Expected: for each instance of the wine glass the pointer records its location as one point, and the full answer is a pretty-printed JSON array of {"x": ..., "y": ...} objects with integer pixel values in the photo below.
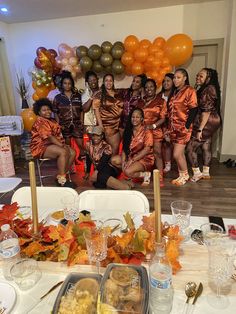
[
  {"x": 211, "y": 231},
  {"x": 181, "y": 211},
  {"x": 69, "y": 207},
  {"x": 222, "y": 253},
  {"x": 96, "y": 243}
]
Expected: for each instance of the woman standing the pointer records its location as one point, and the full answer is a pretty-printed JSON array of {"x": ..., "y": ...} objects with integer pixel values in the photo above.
[
  {"x": 69, "y": 112},
  {"x": 47, "y": 141},
  {"x": 108, "y": 106},
  {"x": 182, "y": 109},
  {"x": 137, "y": 156},
  {"x": 132, "y": 97},
  {"x": 155, "y": 111},
  {"x": 167, "y": 87},
  {"x": 206, "y": 123}
]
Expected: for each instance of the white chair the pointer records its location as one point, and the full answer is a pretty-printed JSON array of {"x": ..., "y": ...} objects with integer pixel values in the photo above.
[
  {"x": 48, "y": 198},
  {"x": 8, "y": 184},
  {"x": 104, "y": 204}
]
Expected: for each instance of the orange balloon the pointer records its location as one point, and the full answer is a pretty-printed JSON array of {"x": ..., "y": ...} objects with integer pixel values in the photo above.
[
  {"x": 137, "y": 68},
  {"x": 165, "y": 62},
  {"x": 28, "y": 117},
  {"x": 154, "y": 75},
  {"x": 34, "y": 85},
  {"x": 159, "y": 54},
  {"x": 152, "y": 49},
  {"x": 150, "y": 59},
  {"x": 131, "y": 43},
  {"x": 145, "y": 43},
  {"x": 35, "y": 96},
  {"x": 156, "y": 63},
  {"x": 140, "y": 54},
  {"x": 159, "y": 42},
  {"x": 147, "y": 67},
  {"x": 179, "y": 49},
  {"x": 163, "y": 72},
  {"x": 149, "y": 74},
  {"x": 168, "y": 68},
  {"x": 42, "y": 91},
  {"x": 128, "y": 70},
  {"x": 127, "y": 58}
]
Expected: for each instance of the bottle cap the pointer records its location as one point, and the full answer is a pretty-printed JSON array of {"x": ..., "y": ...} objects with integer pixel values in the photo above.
[{"x": 5, "y": 227}]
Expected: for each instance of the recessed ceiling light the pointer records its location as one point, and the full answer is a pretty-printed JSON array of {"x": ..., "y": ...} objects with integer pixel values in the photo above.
[{"x": 4, "y": 10}]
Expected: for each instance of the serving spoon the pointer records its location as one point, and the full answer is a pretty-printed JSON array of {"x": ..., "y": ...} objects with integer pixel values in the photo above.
[{"x": 190, "y": 291}]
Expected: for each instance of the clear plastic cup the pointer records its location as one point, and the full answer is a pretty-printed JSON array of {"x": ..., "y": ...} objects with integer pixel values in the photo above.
[{"x": 25, "y": 273}]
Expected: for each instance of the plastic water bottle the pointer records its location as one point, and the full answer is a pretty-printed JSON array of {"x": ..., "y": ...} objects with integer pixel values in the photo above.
[
  {"x": 161, "y": 289},
  {"x": 9, "y": 249}
]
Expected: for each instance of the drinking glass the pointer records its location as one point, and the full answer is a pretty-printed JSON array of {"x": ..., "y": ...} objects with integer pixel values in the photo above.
[
  {"x": 181, "y": 211},
  {"x": 69, "y": 207},
  {"x": 222, "y": 253},
  {"x": 113, "y": 225},
  {"x": 211, "y": 231},
  {"x": 25, "y": 273},
  {"x": 96, "y": 243}
]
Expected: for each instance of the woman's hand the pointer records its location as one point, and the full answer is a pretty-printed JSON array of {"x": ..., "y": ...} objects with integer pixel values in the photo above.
[{"x": 199, "y": 135}]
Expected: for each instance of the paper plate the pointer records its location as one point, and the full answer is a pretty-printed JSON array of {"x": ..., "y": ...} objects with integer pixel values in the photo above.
[{"x": 7, "y": 296}]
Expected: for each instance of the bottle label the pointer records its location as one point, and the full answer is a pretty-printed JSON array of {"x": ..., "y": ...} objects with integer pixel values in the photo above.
[
  {"x": 160, "y": 284},
  {"x": 9, "y": 248}
]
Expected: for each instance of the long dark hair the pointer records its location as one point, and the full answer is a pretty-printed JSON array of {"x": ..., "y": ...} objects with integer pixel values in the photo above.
[
  {"x": 212, "y": 79},
  {"x": 67, "y": 75},
  {"x": 128, "y": 132},
  {"x": 171, "y": 76},
  {"x": 103, "y": 88},
  {"x": 143, "y": 78}
]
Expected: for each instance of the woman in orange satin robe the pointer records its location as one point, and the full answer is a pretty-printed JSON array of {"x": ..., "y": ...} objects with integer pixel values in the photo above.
[
  {"x": 155, "y": 111},
  {"x": 108, "y": 106},
  {"x": 137, "y": 156},
  {"x": 181, "y": 108},
  {"x": 47, "y": 141}
]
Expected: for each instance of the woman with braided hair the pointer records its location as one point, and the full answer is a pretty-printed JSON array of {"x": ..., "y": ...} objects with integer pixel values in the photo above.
[{"x": 206, "y": 123}]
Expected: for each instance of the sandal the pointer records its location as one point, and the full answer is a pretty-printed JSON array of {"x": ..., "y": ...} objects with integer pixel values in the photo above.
[
  {"x": 146, "y": 178},
  {"x": 180, "y": 181}
]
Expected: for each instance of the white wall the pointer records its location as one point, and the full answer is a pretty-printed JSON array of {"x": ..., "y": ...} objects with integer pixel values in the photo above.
[{"x": 207, "y": 20}]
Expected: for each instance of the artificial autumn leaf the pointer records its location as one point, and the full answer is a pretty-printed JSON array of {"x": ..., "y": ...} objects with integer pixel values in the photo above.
[
  {"x": 149, "y": 222},
  {"x": 33, "y": 248},
  {"x": 129, "y": 221},
  {"x": 79, "y": 257},
  {"x": 138, "y": 242},
  {"x": 23, "y": 241},
  {"x": 66, "y": 233},
  {"x": 53, "y": 233},
  {"x": 7, "y": 213},
  {"x": 64, "y": 252},
  {"x": 113, "y": 256},
  {"x": 125, "y": 240}
]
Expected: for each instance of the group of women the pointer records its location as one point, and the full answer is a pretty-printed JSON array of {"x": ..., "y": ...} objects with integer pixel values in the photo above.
[{"x": 152, "y": 127}]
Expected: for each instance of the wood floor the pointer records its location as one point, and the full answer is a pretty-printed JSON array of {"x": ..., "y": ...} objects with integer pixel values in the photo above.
[{"x": 215, "y": 197}]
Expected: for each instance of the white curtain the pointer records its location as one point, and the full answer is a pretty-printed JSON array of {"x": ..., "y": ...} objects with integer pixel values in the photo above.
[{"x": 7, "y": 102}]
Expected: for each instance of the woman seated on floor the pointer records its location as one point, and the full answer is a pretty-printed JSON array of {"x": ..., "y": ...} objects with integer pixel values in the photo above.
[
  {"x": 98, "y": 153},
  {"x": 137, "y": 158},
  {"x": 47, "y": 141}
]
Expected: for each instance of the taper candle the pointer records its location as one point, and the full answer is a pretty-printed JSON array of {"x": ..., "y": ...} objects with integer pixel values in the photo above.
[
  {"x": 34, "y": 204},
  {"x": 157, "y": 205}
]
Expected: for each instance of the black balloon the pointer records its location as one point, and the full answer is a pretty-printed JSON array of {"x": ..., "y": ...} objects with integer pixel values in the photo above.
[
  {"x": 117, "y": 67},
  {"x": 94, "y": 52},
  {"x": 106, "y": 46},
  {"x": 97, "y": 67},
  {"x": 85, "y": 63},
  {"x": 81, "y": 51},
  {"x": 106, "y": 59},
  {"x": 117, "y": 51}
]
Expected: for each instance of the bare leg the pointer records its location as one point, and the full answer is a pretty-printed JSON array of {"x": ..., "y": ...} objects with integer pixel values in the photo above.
[
  {"x": 116, "y": 161},
  {"x": 158, "y": 155},
  {"x": 179, "y": 156},
  {"x": 80, "y": 143},
  {"x": 71, "y": 159},
  {"x": 116, "y": 184},
  {"x": 134, "y": 170},
  {"x": 59, "y": 153},
  {"x": 114, "y": 141}
]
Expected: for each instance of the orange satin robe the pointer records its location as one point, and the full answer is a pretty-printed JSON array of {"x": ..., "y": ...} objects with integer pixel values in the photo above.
[
  {"x": 142, "y": 139},
  {"x": 41, "y": 130},
  {"x": 110, "y": 110},
  {"x": 178, "y": 110},
  {"x": 154, "y": 110}
]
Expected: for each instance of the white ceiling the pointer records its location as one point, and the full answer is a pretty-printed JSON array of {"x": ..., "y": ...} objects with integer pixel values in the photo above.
[{"x": 35, "y": 10}]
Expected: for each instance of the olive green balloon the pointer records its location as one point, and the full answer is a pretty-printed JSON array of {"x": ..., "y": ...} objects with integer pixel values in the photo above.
[
  {"x": 94, "y": 52},
  {"x": 106, "y": 46},
  {"x": 81, "y": 51},
  {"x": 119, "y": 43},
  {"x": 106, "y": 59},
  {"x": 117, "y": 51},
  {"x": 97, "y": 67},
  {"x": 108, "y": 69},
  {"x": 117, "y": 67},
  {"x": 85, "y": 63}
]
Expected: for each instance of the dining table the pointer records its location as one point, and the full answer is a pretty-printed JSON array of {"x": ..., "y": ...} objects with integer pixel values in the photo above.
[{"x": 193, "y": 258}]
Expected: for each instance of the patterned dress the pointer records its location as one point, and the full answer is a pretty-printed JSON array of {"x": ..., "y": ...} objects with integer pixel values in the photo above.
[
  {"x": 110, "y": 110},
  {"x": 69, "y": 111},
  {"x": 41, "y": 130},
  {"x": 178, "y": 111},
  {"x": 207, "y": 102},
  {"x": 154, "y": 110},
  {"x": 143, "y": 138}
]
